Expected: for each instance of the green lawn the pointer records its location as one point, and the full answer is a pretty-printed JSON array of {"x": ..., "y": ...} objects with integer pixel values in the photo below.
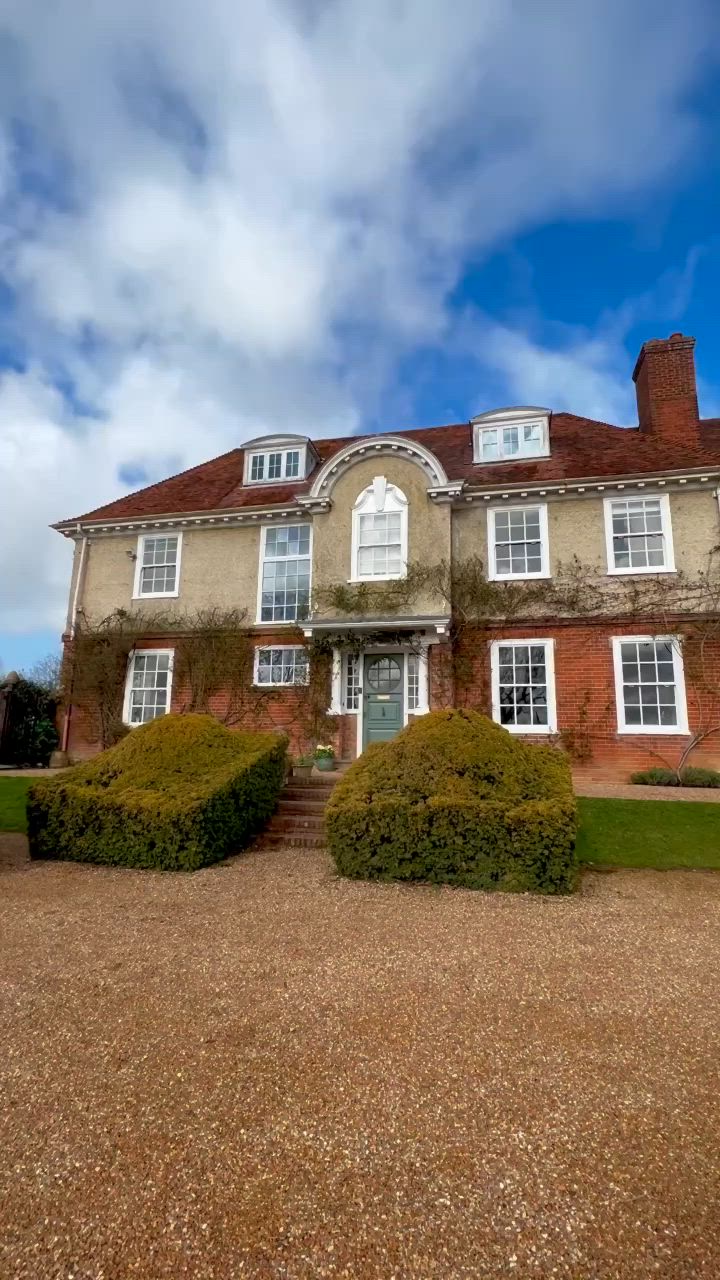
[
  {"x": 615, "y": 833},
  {"x": 13, "y": 792},
  {"x": 649, "y": 833}
]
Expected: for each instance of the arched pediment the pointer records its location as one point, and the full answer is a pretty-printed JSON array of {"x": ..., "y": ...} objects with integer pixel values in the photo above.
[{"x": 376, "y": 447}]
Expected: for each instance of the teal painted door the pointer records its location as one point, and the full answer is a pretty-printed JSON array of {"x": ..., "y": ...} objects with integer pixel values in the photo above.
[{"x": 383, "y": 697}]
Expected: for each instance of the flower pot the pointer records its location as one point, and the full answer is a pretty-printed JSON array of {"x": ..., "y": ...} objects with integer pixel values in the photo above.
[
  {"x": 325, "y": 763},
  {"x": 302, "y": 770}
]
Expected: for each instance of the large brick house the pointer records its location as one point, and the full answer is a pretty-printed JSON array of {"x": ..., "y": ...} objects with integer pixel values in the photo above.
[{"x": 523, "y": 489}]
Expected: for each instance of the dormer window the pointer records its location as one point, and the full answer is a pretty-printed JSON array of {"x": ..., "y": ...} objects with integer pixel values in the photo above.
[
  {"x": 280, "y": 465},
  {"x": 277, "y": 459},
  {"x": 507, "y": 435}
]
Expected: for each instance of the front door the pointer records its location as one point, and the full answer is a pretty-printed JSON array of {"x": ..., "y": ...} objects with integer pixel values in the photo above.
[{"x": 383, "y": 697}]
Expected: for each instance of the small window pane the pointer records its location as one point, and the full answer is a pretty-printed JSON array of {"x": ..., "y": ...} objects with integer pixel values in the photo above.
[
  {"x": 490, "y": 445},
  {"x": 352, "y": 682},
  {"x": 511, "y": 441},
  {"x": 413, "y": 669}
]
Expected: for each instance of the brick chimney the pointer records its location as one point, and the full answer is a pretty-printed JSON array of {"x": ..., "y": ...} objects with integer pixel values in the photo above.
[{"x": 664, "y": 378}]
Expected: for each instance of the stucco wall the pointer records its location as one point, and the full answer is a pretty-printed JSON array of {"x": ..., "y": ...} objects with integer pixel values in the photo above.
[
  {"x": 429, "y": 525},
  {"x": 576, "y": 528},
  {"x": 218, "y": 567}
]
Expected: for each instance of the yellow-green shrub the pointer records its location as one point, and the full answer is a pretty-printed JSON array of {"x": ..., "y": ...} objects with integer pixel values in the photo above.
[
  {"x": 456, "y": 799},
  {"x": 176, "y": 794}
]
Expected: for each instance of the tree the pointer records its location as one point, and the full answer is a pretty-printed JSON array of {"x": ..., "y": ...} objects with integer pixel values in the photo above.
[{"x": 46, "y": 672}]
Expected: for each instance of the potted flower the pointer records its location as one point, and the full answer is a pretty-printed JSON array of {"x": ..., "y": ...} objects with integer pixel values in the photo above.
[
  {"x": 325, "y": 758},
  {"x": 302, "y": 767}
]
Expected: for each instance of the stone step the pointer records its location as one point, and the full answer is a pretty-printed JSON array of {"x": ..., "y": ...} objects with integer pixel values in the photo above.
[
  {"x": 308, "y": 807},
  {"x": 271, "y": 839},
  {"x": 319, "y": 795},
  {"x": 296, "y": 822}
]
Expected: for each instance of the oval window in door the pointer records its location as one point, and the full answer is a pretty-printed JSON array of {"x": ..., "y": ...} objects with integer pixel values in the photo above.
[{"x": 384, "y": 675}]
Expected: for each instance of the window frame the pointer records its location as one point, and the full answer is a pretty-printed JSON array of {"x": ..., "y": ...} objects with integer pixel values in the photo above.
[
  {"x": 507, "y": 424},
  {"x": 504, "y": 420},
  {"x": 667, "y": 535},
  {"x": 373, "y": 500},
  {"x": 139, "y": 554},
  {"x": 274, "y": 684},
  {"x": 285, "y": 449},
  {"x": 286, "y": 524},
  {"x": 682, "y": 728},
  {"x": 146, "y": 653},
  {"x": 535, "y": 730},
  {"x": 544, "y": 571}
]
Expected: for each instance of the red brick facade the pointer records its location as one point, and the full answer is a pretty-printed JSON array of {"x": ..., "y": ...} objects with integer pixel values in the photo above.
[{"x": 584, "y": 690}]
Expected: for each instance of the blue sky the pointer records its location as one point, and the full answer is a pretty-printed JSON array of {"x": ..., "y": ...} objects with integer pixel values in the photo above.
[{"x": 330, "y": 217}]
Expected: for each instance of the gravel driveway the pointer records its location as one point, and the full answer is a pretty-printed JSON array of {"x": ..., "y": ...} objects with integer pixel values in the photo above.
[{"x": 262, "y": 1071}]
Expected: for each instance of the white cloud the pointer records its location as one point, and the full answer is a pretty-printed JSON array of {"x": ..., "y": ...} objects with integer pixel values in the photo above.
[
  {"x": 587, "y": 375},
  {"x": 217, "y": 223}
]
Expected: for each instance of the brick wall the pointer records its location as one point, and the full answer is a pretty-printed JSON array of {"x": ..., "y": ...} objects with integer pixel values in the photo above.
[
  {"x": 272, "y": 710},
  {"x": 585, "y": 696}
]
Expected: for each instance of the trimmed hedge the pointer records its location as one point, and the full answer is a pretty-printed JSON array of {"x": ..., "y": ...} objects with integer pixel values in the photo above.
[
  {"x": 175, "y": 795},
  {"x": 690, "y": 776},
  {"x": 456, "y": 799}
]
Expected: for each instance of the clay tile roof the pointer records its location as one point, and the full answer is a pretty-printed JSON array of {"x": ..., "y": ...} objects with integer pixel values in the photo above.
[{"x": 580, "y": 448}]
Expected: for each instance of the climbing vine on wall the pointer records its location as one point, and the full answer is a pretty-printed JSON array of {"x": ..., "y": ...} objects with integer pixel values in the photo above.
[{"x": 214, "y": 648}]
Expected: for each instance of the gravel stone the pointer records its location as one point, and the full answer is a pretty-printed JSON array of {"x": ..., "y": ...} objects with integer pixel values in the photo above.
[{"x": 260, "y": 1070}]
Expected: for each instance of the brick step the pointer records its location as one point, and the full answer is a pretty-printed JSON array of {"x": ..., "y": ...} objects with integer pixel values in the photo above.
[
  {"x": 271, "y": 839},
  {"x": 308, "y": 807},
  {"x": 319, "y": 795},
  {"x": 296, "y": 822}
]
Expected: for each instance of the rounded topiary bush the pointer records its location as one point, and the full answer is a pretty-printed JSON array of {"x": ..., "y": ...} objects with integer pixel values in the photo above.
[{"x": 456, "y": 799}]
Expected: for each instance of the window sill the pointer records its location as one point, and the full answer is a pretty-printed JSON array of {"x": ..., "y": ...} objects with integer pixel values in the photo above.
[
  {"x": 516, "y": 457},
  {"x": 298, "y": 622},
  {"x": 296, "y": 684},
  {"x": 633, "y": 573},
  {"x": 518, "y": 577},
  {"x": 391, "y": 577},
  {"x": 157, "y": 595},
  {"x": 529, "y": 730},
  {"x": 654, "y": 731}
]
